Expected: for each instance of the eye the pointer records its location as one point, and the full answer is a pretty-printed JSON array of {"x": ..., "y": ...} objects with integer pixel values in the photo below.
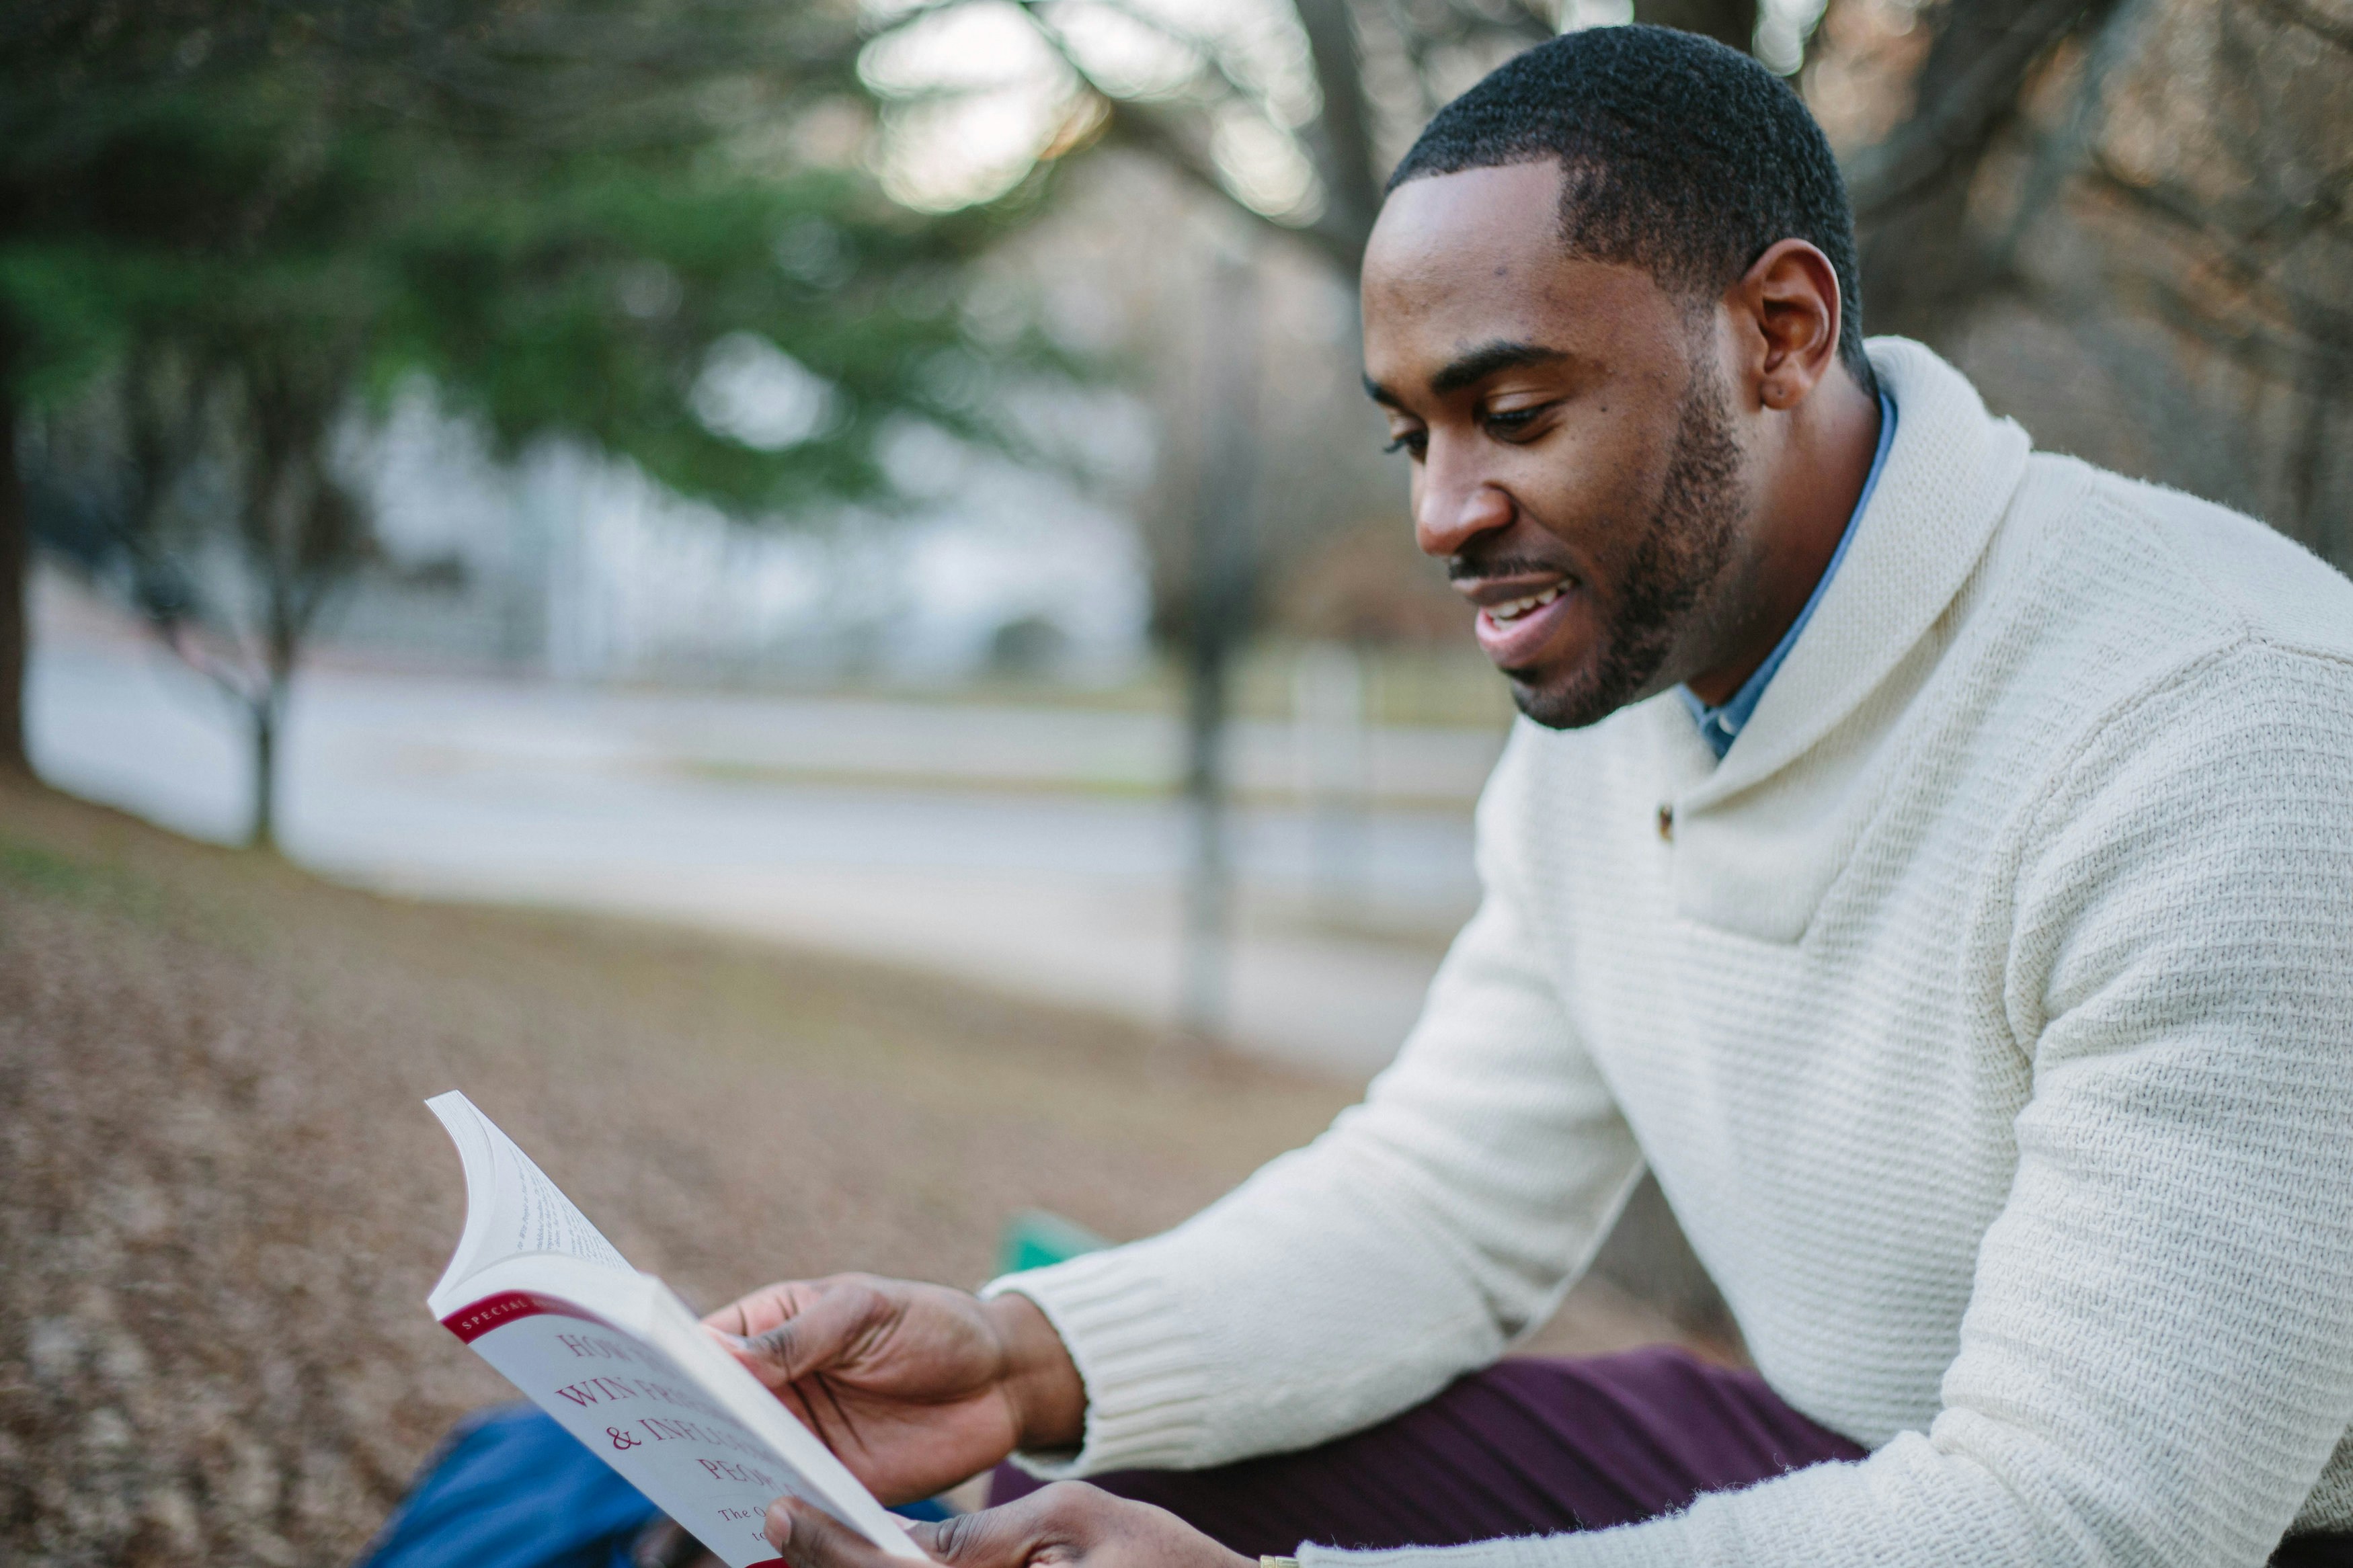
[
  {"x": 1413, "y": 443},
  {"x": 1507, "y": 423}
]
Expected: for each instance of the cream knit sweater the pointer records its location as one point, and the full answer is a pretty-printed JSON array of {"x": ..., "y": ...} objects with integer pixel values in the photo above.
[{"x": 1988, "y": 1019}]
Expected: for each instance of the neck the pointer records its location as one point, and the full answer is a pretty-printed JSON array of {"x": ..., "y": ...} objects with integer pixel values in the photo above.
[{"x": 1817, "y": 476}]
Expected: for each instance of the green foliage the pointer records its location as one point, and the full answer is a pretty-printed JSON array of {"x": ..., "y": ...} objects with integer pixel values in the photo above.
[
  {"x": 351, "y": 193},
  {"x": 588, "y": 306},
  {"x": 224, "y": 225}
]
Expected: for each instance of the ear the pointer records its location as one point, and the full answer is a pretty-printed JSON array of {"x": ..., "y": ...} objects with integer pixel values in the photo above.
[{"x": 1787, "y": 311}]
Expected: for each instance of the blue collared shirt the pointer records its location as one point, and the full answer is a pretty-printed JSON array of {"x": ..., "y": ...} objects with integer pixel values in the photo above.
[{"x": 1717, "y": 726}]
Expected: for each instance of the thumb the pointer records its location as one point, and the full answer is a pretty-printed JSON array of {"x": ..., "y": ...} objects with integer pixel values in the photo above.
[
  {"x": 812, "y": 1339},
  {"x": 992, "y": 1538},
  {"x": 805, "y": 1536}
]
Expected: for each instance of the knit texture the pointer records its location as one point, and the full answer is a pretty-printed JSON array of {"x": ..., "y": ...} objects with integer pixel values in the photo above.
[{"x": 1987, "y": 1019}]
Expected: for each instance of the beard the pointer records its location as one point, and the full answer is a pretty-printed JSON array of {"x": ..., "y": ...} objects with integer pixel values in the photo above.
[{"x": 1683, "y": 554}]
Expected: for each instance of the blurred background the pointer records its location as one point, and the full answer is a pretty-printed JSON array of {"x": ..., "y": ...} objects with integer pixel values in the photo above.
[{"x": 801, "y": 597}]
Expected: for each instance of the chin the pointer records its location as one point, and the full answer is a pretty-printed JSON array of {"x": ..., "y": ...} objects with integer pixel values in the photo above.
[
  {"x": 1590, "y": 689},
  {"x": 1558, "y": 703}
]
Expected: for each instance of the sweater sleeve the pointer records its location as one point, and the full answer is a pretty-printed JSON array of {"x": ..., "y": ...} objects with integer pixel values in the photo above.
[
  {"x": 2156, "y": 1358},
  {"x": 1348, "y": 1281}
]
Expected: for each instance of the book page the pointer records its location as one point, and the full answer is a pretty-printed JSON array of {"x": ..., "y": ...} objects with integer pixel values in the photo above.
[
  {"x": 510, "y": 1205},
  {"x": 544, "y": 1220}
]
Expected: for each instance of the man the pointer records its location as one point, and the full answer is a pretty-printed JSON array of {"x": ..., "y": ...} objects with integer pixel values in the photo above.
[{"x": 1934, "y": 859}]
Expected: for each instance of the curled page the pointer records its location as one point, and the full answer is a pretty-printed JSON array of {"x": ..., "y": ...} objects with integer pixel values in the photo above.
[{"x": 621, "y": 1363}]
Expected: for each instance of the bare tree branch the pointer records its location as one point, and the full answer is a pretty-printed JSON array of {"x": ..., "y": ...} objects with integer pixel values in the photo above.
[
  {"x": 1977, "y": 67},
  {"x": 2058, "y": 157},
  {"x": 1524, "y": 19},
  {"x": 1141, "y": 126},
  {"x": 2336, "y": 30},
  {"x": 1343, "y": 131},
  {"x": 2236, "y": 260},
  {"x": 174, "y": 632},
  {"x": 1209, "y": 51}
]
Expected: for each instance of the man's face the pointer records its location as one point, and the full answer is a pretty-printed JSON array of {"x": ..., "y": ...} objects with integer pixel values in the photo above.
[{"x": 1575, "y": 462}]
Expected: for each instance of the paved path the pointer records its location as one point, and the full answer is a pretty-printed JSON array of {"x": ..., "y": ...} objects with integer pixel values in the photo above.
[{"x": 1019, "y": 846}]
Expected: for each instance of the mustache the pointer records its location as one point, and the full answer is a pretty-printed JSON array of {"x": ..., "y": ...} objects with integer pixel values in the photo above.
[{"x": 1476, "y": 563}]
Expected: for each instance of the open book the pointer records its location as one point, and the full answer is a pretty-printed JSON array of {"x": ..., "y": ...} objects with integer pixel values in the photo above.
[{"x": 622, "y": 1365}]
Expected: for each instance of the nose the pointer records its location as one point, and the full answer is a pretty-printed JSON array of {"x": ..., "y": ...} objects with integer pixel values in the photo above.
[{"x": 1453, "y": 504}]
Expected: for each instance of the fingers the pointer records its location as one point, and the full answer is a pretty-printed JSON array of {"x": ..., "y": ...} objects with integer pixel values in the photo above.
[
  {"x": 1004, "y": 1537},
  {"x": 1063, "y": 1521},
  {"x": 791, "y": 1330},
  {"x": 1011, "y": 1537},
  {"x": 805, "y": 1536},
  {"x": 762, "y": 1309},
  {"x": 1070, "y": 1523},
  {"x": 817, "y": 1337}
]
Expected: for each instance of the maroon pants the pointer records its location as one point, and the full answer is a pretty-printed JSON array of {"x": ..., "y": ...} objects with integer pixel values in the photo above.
[{"x": 1525, "y": 1447}]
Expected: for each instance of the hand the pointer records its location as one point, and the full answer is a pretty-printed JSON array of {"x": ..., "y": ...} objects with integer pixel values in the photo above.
[
  {"x": 915, "y": 1387},
  {"x": 1070, "y": 1524}
]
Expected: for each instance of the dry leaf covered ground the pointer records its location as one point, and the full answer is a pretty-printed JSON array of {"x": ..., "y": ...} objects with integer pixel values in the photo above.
[{"x": 223, "y": 1203}]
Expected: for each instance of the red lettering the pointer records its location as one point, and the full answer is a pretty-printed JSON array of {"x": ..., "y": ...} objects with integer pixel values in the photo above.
[
  {"x": 728, "y": 1470},
  {"x": 595, "y": 1389},
  {"x": 594, "y": 1349}
]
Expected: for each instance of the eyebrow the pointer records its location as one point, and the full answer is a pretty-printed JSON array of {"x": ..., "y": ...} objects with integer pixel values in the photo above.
[{"x": 1473, "y": 366}]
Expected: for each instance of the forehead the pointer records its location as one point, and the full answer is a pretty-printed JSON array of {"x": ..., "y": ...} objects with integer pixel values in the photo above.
[{"x": 1474, "y": 257}]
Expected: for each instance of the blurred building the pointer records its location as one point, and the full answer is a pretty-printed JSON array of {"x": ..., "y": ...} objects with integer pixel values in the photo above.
[{"x": 569, "y": 563}]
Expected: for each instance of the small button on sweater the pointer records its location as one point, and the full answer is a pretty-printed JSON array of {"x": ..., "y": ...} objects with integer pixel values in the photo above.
[{"x": 1986, "y": 1014}]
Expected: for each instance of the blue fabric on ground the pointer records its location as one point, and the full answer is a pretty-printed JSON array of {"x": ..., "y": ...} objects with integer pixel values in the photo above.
[
  {"x": 510, "y": 1489},
  {"x": 931, "y": 1511}
]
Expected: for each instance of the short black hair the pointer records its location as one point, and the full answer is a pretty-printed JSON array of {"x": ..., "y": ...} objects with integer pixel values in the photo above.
[{"x": 1683, "y": 156}]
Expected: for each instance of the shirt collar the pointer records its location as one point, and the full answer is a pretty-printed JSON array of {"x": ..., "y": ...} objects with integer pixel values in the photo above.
[{"x": 1718, "y": 726}]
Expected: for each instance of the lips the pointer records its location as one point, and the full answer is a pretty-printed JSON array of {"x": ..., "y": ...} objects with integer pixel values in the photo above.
[
  {"x": 1513, "y": 609},
  {"x": 1514, "y": 632}
]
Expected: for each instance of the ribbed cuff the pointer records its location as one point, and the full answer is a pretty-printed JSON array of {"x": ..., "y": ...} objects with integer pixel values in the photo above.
[{"x": 1138, "y": 1357}]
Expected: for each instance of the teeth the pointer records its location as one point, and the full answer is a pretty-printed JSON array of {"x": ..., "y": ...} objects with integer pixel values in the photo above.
[{"x": 1518, "y": 607}]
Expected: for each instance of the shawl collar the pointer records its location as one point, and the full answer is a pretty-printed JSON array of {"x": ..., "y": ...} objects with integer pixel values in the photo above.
[{"x": 1949, "y": 477}]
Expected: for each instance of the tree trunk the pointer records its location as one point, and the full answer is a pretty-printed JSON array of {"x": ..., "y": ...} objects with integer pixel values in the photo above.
[
  {"x": 15, "y": 555},
  {"x": 1217, "y": 615},
  {"x": 1209, "y": 881},
  {"x": 2308, "y": 449},
  {"x": 1351, "y": 166},
  {"x": 1732, "y": 22},
  {"x": 266, "y": 714}
]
